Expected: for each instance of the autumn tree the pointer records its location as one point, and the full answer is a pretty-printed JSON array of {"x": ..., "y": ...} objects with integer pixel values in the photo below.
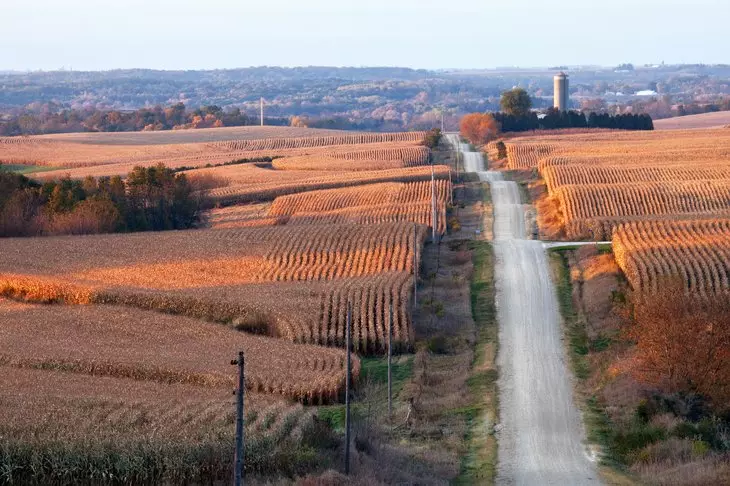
[
  {"x": 479, "y": 128},
  {"x": 516, "y": 102},
  {"x": 683, "y": 343},
  {"x": 298, "y": 121}
]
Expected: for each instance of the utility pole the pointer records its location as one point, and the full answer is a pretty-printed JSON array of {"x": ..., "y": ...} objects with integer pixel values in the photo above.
[
  {"x": 433, "y": 205},
  {"x": 262, "y": 111},
  {"x": 238, "y": 460},
  {"x": 390, "y": 369},
  {"x": 451, "y": 191},
  {"x": 442, "y": 120},
  {"x": 415, "y": 266},
  {"x": 347, "y": 390}
]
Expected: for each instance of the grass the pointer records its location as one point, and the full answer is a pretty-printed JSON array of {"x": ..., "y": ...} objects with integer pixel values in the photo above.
[
  {"x": 599, "y": 428},
  {"x": 479, "y": 464},
  {"x": 374, "y": 371},
  {"x": 27, "y": 169},
  {"x": 579, "y": 343},
  {"x": 601, "y": 247}
]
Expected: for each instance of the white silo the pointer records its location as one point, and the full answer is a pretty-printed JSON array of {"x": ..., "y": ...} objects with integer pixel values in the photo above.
[{"x": 561, "y": 97}]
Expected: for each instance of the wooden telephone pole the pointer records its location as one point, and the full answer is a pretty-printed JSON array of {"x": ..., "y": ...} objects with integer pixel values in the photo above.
[{"x": 238, "y": 459}]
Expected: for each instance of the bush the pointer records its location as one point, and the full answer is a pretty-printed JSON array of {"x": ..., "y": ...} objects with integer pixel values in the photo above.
[{"x": 433, "y": 137}]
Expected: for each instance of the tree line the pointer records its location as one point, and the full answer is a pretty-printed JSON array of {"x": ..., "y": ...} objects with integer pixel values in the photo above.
[
  {"x": 174, "y": 117},
  {"x": 554, "y": 119},
  {"x": 517, "y": 115},
  {"x": 150, "y": 199}
]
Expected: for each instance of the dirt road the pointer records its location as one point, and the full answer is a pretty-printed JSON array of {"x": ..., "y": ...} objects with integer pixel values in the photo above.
[{"x": 541, "y": 432}]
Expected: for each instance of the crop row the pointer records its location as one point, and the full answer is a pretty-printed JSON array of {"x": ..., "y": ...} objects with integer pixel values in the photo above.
[
  {"x": 373, "y": 159},
  {"x": 132, "y": 343},
  {"x": 210, "y": 258},
  {"x": 374, "y": 194},
  {"x": 580, "y": 204},
  {"x": 526, "y": 156},
  {"x": 320, "y": 141},
  {"x": 371, "y": 298},
  {"x": 564, "y": 175},
  {"x": 375, "y": 214},
  {"x": 656, "y": 253},
  {"x": 267, "y": 191},
  {"x": 57, "y": 424}
]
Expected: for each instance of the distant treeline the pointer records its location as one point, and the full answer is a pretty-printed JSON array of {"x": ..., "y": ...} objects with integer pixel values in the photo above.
[
  {"x": 150, "y": 199},
  {"x": 174, "y": 117},
  {"x": 554, "y": 119}
]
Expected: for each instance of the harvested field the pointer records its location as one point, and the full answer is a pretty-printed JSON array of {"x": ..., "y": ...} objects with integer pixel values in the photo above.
[
  {"x": 215, "y": 275},
  {"x": 581, "y": 204},
  {"x": 556, "y": 177},
  {"x": 52, "y": 421},
  {"x": 376, "y": 203},
  {"x": 134, "y": 150},
  {"x": 370, "y": 159},
  {"x": 526, "y": 152},
  {"x": 293, "y": 182},
  {"x": 213, "y": 258},
  {"x": 695, "y": 253},
  {"x": 198, "y": 135},
  {"x": 704, "y": 120},
  {"x": 131, "y": 343}
]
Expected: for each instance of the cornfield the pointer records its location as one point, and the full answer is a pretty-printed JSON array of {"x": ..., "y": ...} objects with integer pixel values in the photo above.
[
  {"x": 57, "y": 424},
  {"x": 625, "y": 147},
  {"x": 239, "y": 193},
  {"x": 202, "y": 274},
  {"x": 210, "y": 258},
  {"x": 581, "y": 204},
  {"x": 556, "y": 177},
  {"x": 117, "y": 347},
  {"x": 697, "y": 253},
  {"x": 146, "y": 346},
  {"x": 309, "y": 142},
  {"x": 371, "y": 159}
]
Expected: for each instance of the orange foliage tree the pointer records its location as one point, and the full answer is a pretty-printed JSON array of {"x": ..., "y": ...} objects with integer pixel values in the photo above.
[
  {"x": 683, "y": 343},
  {"x": 479, "y": 128}
]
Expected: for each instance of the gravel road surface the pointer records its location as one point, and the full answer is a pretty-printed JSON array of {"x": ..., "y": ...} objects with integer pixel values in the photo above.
[{"x": 540, "y": 432}]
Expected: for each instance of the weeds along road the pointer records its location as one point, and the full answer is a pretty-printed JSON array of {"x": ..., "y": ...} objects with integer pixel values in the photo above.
[{"x": 541, "y": 435}]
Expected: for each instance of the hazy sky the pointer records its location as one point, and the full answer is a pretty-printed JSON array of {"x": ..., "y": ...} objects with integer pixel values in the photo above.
[{"x": 193, "y": 34}]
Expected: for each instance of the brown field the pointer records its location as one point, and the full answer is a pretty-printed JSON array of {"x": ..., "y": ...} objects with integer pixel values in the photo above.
[
  {"x": 79, "y": 155},
  {"x": 704, "y": 120},
  {"x": 281, "y": 183},
  {"x": 371, "y": 159},
  {"x": 597, "y": 181},
  {"x": 576, "y": 174},
  {"x": 201, "y": 274},
  {"x": 696, "y": 252},
  {"x": 69, "y": 406},
  {"x": 526, "y": 152},
  {"x": 198, "y": 135},
  {"x": 583, "y": 206},
  {"x": 210, "y": 258},
  {"x": 118, "y": 346},
  {"x": 142, "y": 345}
]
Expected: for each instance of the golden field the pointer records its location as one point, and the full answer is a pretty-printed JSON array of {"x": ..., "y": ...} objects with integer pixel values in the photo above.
[
  {"x": 596, "y": 181},
  {"x": 122, "y": 342}
]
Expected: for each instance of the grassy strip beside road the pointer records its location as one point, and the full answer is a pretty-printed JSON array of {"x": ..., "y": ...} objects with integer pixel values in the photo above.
[
  {"x": 479, "y": 465},
  {"x": 599, "y": 429}
]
